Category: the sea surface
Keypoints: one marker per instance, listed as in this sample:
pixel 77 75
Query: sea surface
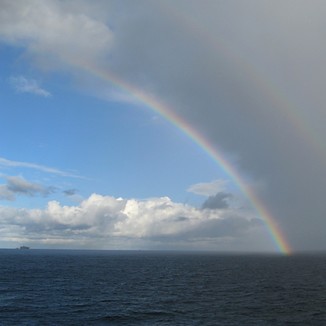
pixel 50 287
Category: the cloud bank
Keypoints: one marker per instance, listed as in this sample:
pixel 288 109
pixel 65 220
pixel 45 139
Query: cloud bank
pixel 99 220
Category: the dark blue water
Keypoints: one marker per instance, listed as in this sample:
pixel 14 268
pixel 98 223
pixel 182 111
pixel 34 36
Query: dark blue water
pixel 41 287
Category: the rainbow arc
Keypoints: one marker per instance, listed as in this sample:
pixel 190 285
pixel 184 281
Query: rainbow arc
pixel 168 113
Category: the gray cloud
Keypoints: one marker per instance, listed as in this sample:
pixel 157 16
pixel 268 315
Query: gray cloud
pixel 219 201
pixel 70 192
pixel 17 185
pixel 5 193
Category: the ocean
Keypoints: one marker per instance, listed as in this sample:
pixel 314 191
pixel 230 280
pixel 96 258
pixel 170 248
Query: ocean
pixel 62 287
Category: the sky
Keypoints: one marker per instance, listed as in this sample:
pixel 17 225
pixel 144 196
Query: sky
pixel 189 125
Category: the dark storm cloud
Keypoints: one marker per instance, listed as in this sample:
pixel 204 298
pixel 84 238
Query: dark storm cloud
pixel 249 76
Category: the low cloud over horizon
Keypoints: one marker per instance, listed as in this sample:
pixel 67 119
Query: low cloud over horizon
pixel 98 219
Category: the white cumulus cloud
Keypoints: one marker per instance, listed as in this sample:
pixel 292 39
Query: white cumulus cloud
pixel 103 218
pixel 209 188
pixel 54 31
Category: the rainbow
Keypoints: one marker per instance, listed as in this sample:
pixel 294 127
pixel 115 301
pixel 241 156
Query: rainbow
pixel 158 106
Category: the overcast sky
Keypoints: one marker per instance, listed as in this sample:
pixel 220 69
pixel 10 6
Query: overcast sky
pixel 85 164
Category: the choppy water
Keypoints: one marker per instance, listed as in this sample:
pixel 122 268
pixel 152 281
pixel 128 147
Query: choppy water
pixel 45 287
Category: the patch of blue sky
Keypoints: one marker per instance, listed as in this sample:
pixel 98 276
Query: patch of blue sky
pixel 118 149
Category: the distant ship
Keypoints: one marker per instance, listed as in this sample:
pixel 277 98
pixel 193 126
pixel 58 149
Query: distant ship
pixel 23 248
